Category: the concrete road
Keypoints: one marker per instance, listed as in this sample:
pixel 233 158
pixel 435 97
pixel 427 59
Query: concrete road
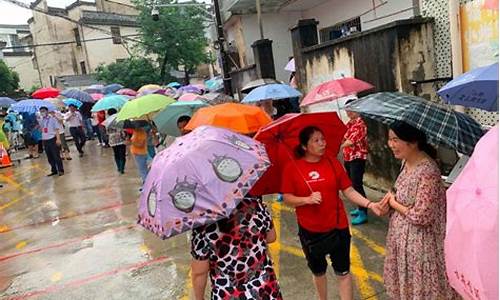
pixel 75 237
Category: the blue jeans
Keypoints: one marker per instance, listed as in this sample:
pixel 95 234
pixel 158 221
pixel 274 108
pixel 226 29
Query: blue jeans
pixel 142 165
pixel 88 128
pixel 151 152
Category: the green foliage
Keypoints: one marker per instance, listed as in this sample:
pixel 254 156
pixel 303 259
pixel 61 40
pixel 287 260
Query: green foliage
pixel 177 38
pixel 9 80
pixel 131 73
pixel 32 89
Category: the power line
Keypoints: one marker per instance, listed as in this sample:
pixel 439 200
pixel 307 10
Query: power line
pixel 67 42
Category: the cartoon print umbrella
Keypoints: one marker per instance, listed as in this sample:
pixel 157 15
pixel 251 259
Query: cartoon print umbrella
pixel 43 93
pixel 471 243
pixel 199 180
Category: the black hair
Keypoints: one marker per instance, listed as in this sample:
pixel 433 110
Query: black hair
pixel 410 134
pixel 112 111
pixel 304 136
pixel 44 107
pixel 183 119
pixel 72 105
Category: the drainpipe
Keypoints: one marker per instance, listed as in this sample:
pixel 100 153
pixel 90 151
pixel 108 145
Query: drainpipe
pixel 456 42
pixel 259 18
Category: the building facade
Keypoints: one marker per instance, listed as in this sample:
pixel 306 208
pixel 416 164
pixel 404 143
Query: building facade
pixel 77 39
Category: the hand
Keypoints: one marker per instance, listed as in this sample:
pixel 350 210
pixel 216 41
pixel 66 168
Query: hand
pixel 391 199
pixel 315 198
pixel 58 142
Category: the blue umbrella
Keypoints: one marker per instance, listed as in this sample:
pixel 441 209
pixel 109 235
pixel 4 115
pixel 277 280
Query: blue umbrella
pixel 115 101
pixel 274 91
pixel 6 101
pixel 215 84
pixel 95 89
pixel 78 95
pixel 31 106
pixel 174 85
pixel 71 101
pixel 111 88
pixel 166 120
pixel 476 88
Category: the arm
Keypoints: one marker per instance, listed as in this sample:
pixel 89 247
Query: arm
pixel 355 197
pixel 271 236
pixel 295 201
pixel 199 275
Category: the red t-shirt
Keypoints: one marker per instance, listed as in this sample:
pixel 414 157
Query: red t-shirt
pixel 330 213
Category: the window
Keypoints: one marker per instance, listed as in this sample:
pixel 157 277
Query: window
pixel 340 30
pixel 115 33
pixel 77 36
pixel 82 66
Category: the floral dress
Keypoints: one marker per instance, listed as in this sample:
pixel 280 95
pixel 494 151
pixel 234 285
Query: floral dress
pixel 239 265
pixel 414 265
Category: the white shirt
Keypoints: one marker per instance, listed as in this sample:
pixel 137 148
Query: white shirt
pixel 73 119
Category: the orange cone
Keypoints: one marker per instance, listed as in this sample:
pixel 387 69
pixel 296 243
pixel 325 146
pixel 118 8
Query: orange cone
pixel 4 158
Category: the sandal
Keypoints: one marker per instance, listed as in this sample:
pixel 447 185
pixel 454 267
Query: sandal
pixel 68 158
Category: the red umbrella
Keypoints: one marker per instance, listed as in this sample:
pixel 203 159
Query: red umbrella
pixel 334 89
pixel 43 93
pixel 282 136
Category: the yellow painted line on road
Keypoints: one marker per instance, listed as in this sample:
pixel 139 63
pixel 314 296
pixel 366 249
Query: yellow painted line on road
pixel 21 245
pixel 20 185
pixel 145 249
pixel 188 287
pixel 286 208
pixel 369 242
pixel 4 206
pixel 56 277
pixel 275 248
pixel 4 228
pixel 360 273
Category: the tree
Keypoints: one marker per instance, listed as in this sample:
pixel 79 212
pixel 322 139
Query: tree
pixel 132 73
pixel 9 80
pixel 177 38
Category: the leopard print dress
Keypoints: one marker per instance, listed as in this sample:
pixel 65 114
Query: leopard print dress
pixel 240 267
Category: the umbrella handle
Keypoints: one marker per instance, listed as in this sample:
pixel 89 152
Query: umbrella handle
pixel 298 170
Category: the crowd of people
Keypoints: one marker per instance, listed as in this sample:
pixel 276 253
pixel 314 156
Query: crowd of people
pixel 233 252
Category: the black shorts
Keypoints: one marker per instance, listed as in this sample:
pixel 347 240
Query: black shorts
pixel 339 254
pixel 28 140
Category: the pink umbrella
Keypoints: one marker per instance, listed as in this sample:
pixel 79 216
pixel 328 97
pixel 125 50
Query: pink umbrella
pixel 189 97
pixel 471 243
pixel 96 96
pixel 127 92
pixel 334 89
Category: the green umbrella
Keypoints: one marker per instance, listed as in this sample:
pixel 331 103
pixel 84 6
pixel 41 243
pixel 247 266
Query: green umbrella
pixel 115 101
pixel 143 107
pixel 166 120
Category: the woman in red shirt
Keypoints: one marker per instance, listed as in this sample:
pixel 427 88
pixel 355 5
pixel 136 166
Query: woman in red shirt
pixel 311 184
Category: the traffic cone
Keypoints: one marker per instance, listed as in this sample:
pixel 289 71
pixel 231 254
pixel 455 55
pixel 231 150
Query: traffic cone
pixel 4 158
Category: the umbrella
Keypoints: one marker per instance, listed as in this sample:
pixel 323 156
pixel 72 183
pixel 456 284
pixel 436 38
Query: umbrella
pixel 189 97
pixel 167 92
pixel 190 89
pixel 78 95
pixel 6 102
pixel 174 84
pixel 111 88
pixel 116 102
pixel 471 243
pixel 71 101
pixel 31 106
pixel 199 179
pixel 440 124
pixel 143 106
pixel 274 91
pixel 127 92
pixel 97 96
pixel 43 93
pixel 112 122
pixel 95 89
pixel 166 120
pixel 215 84
pixel 334 89
pixel 256 83
pixel 281 137
pixel 240 118
pixel 147 87
pixel 476 88
pixel 200 86
pixel 290 66
pixel 216 98
pixel 56 101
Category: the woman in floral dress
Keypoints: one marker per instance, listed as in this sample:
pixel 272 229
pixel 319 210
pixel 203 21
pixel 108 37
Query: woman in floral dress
pixel 234 252
pixel 414 266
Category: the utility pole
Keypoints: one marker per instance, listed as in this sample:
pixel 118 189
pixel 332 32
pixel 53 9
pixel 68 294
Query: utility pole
pixel 221 41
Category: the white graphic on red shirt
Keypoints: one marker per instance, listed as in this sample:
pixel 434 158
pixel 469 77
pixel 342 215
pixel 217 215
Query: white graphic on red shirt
pixel 314 175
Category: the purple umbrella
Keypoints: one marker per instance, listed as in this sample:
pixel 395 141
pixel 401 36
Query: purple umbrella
pixel 199 180
pixel 190 89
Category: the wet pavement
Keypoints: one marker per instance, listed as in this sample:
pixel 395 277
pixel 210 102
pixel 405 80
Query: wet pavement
pixel 75 237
